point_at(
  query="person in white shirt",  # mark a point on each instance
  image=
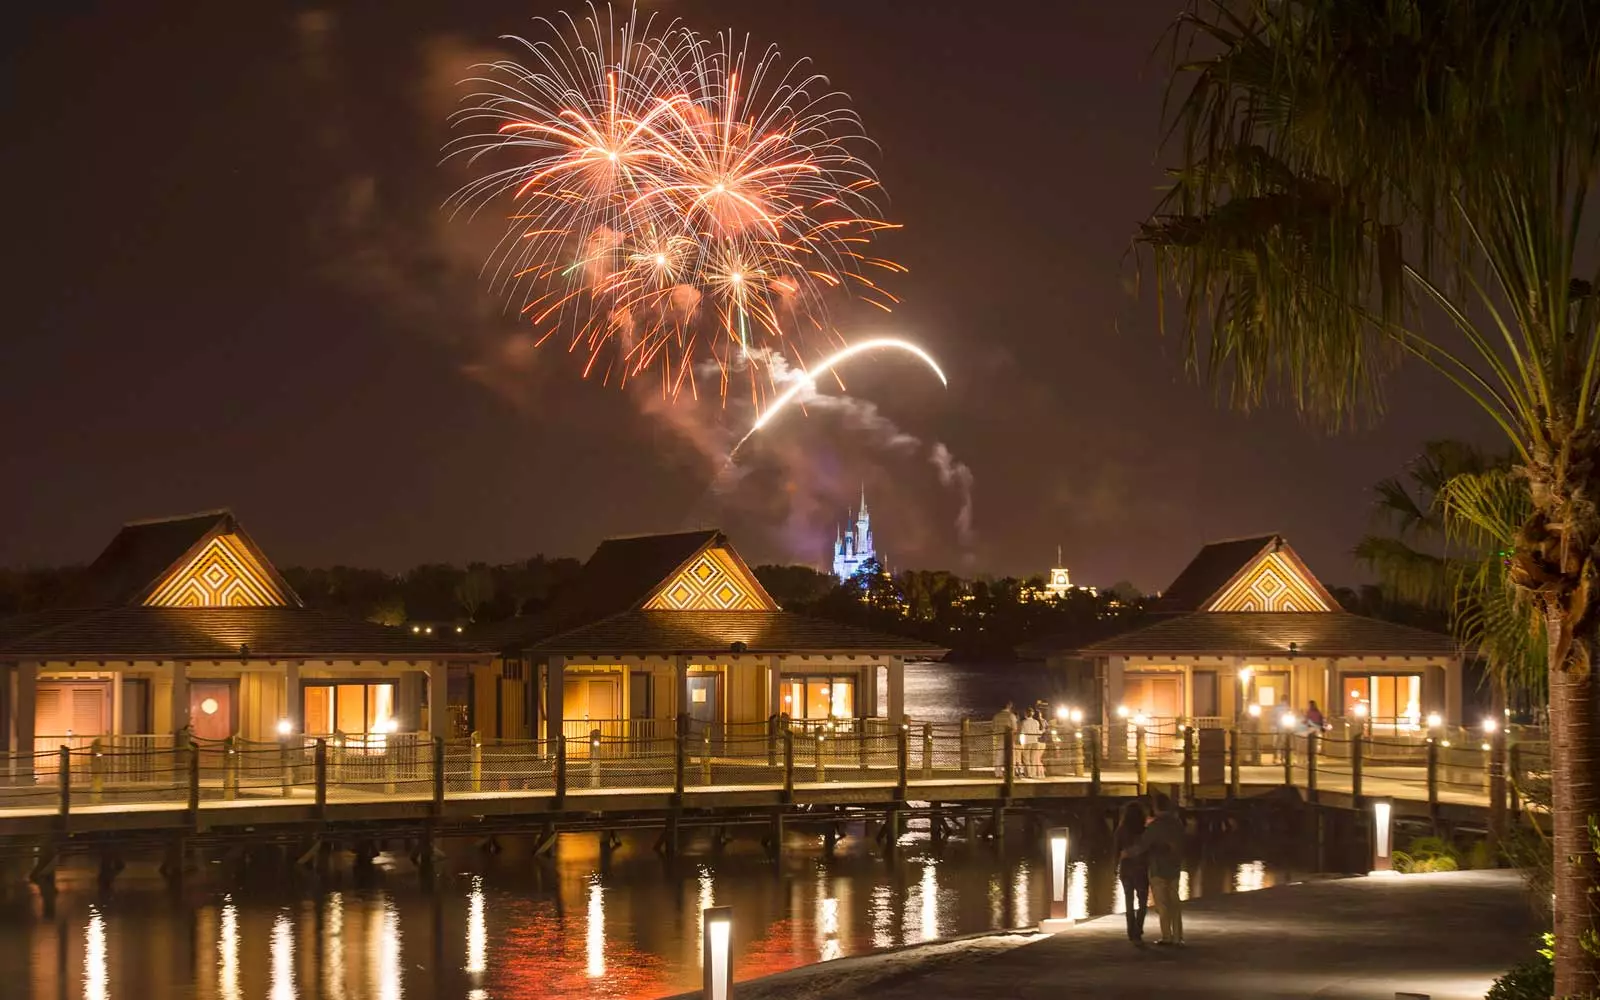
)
(1005, 728)
(1032, 745)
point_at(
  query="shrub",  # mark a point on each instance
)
(1534, 979)
(1427, 854)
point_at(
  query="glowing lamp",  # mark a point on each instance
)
(1382, 834)
(458, 628)
(1141, 719)
(1434, 720)
(285, 727)
(1077, 716)
(717, 963)
(1122, 711)
(1058, 873)
(1245, 673)
(209, 706)
(389, 725)
(1490, 725)
(1360, 711)
(1062, 713)
(416, 629)
(1254, 711)
(1288, 720)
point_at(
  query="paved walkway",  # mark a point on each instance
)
(1446, 936)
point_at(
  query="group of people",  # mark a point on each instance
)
(1149, 866)
(1027, 734)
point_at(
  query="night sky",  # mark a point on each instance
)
(229, 282)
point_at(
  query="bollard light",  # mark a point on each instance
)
(1122, 711)
(1360, 710)
(1076, 716)
(717, 924)
(1489, 725)
(1382, 815)
(1435, 720)
(1141, 719)
(1287, 720)
(1254, 711)
(1058, 873)
(285, 727)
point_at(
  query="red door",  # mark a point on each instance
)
(211, 709)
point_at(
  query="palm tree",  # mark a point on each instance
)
(1351, 167)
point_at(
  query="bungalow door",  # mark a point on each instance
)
(705, 707)
(213, 709)
(71, 713)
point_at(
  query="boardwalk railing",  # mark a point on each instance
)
(118, 772)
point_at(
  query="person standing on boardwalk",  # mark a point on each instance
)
(1030, 745)
(1133, 870)
(1161, 844)
(1004, 726)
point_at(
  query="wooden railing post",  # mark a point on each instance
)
(1311, 767)
(902, 759)
(97, 775)
(194, 784)
(680, 756)
(788, 765)
(230, 769)
(1188, 763)
(1141, 757)
(285, 767)
(927, 751)
(772, 740)
(64, 781)
(1094, 761)
(862, 750)
(817, 749)
(477, 761)
(1433, 778)
(594, 758)
(1234, 762)
(705, 756)
(561, 769)
(1357, 755)
(438, 774)
(966, 746)
(319, 767)
(1008, 759)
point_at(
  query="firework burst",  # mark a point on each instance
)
(675, 199)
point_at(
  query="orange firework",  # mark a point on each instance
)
(680, 206)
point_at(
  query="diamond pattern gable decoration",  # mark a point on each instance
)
(1272, 584)
(714, 581)
(223, 575)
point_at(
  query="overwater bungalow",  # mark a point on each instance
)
(183, 624)
(658, 625)
(1245, 627)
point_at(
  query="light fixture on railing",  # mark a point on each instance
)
(1360, 710)
(1434, 720)
(1122, 711)
(1287, 720)
(1254, 711)
(1077, 716)
(1489, 724)
(1141, 719)
(1062, 712)
(285, 727)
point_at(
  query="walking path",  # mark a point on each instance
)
(1446, 936)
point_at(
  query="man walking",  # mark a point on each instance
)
(1162, 844)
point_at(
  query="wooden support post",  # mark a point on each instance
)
(1357, 753)
(772, 741)
(230, 769)
(788, 766)
(1311, 767)
(1288, 760)
(64, 782)
(1497, 787)
(705, 756)
(668, 845)
(477, 761)
(438, 775)
(902, 760)
(775, 836)
(1233, 762)
(320, 769)
(561, 769)
(892, 824)
(966, 746)
(927, 751)
(594, 758)
(1141, 757)
(863, 755)
(285, 767)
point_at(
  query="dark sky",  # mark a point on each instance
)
(229, 282)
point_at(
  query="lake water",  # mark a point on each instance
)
(507, 926)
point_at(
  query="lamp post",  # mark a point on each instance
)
(1382, 835)
(717, 959)
(1059, 857)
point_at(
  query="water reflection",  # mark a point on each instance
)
(282, 959)
(333, 980)
(827, 920)
(1023, 915)
(386, 952)
(881, 913)
(930, 901)
(595, 939)
(95, 986)
(477, 932)
(228, 952)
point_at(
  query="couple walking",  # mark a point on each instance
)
(1150, 861)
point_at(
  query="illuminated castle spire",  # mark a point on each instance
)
(853, 546)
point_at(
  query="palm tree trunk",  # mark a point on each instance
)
(1576, 800)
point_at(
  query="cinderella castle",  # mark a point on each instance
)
(852, 548)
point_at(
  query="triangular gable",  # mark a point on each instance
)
(1276, 580)
(713, 579)
(227, 572)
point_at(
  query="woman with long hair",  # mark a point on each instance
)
(1133, 869)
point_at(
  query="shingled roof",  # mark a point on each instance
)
(681, 633)
(145, 633)
(1212, 569)
(144, 553)
(1254, 633)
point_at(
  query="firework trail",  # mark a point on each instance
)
(807, 381)
(675, 197)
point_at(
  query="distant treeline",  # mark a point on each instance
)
(975, 617)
